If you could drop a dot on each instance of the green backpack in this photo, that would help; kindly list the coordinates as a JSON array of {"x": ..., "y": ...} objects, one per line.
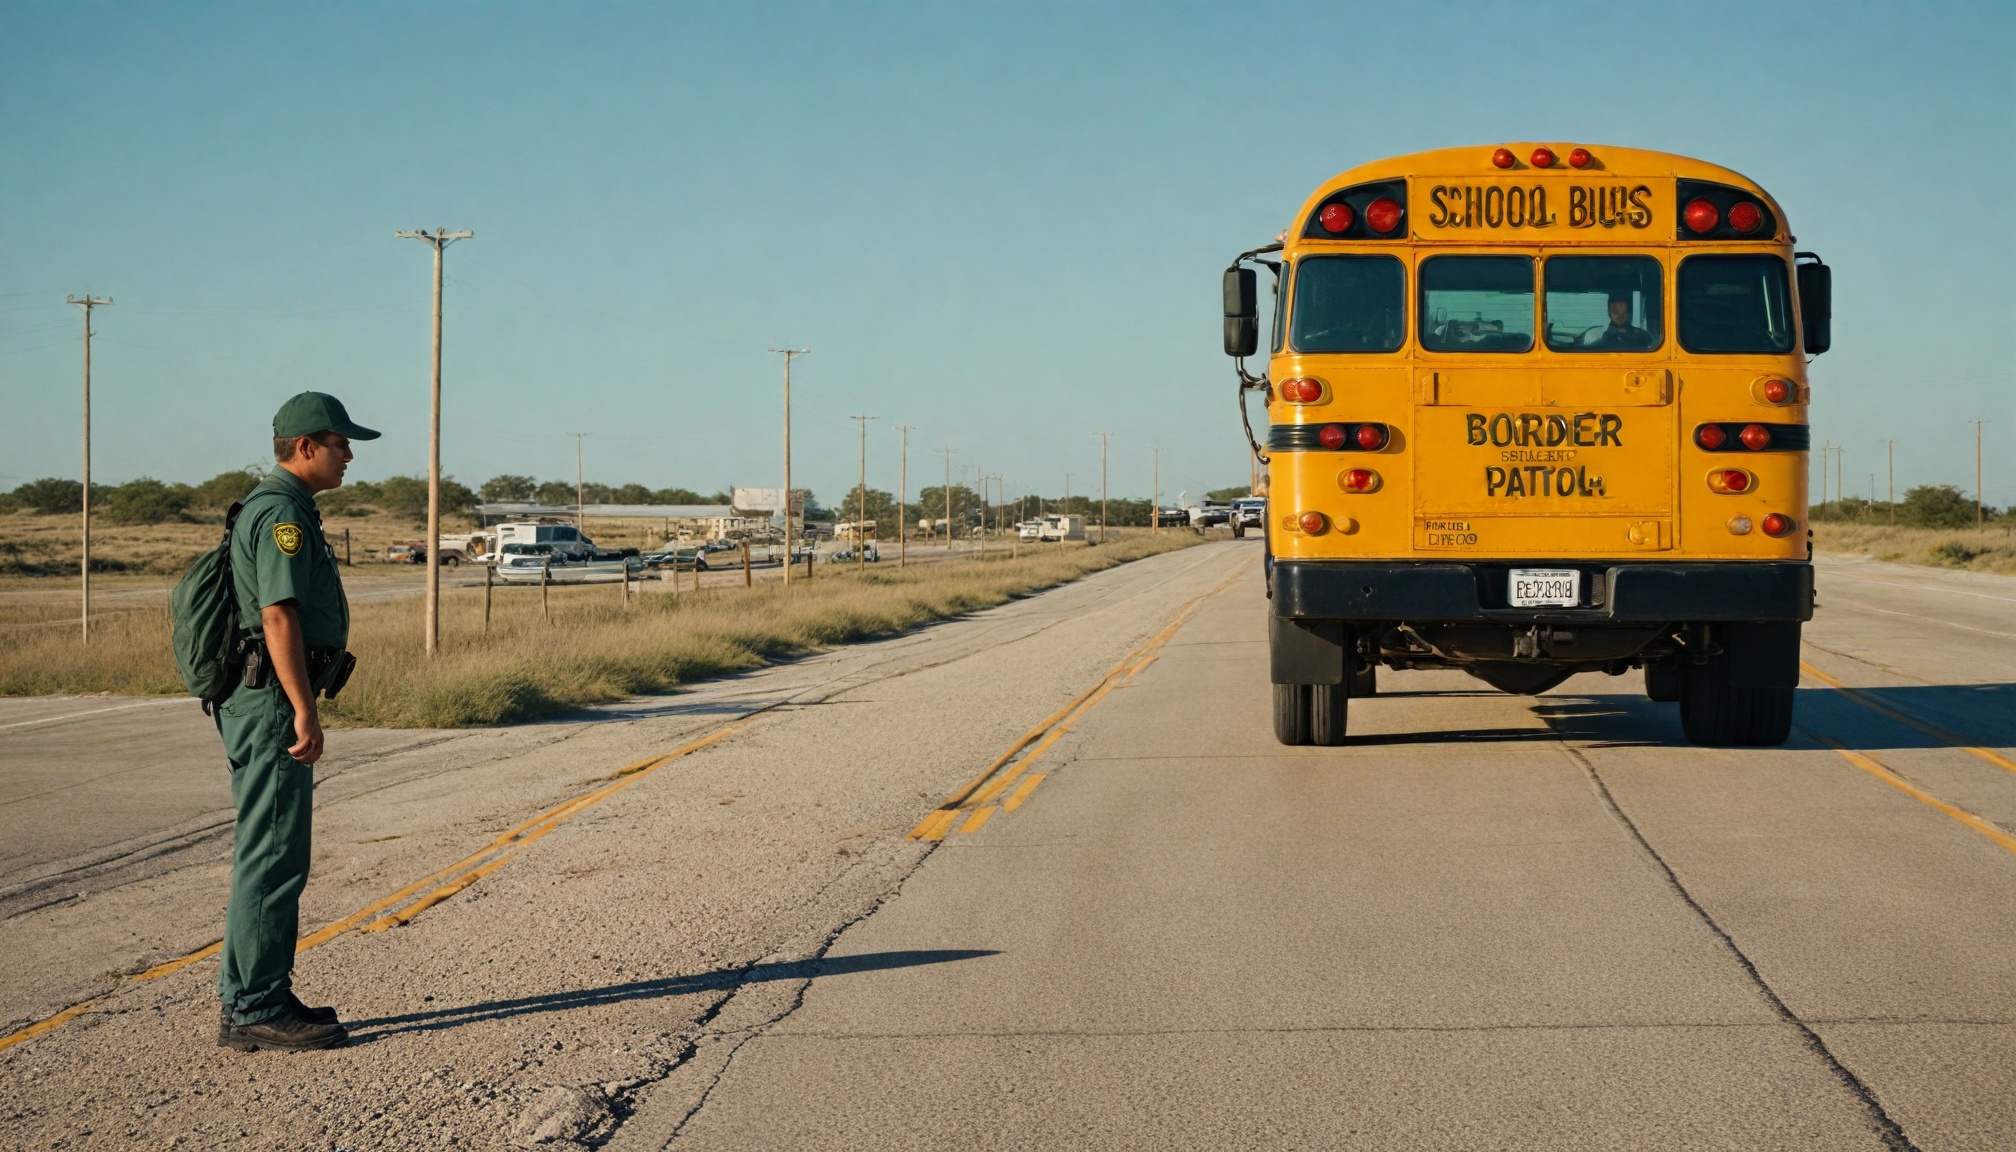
[{"x": 204, "y": 608}]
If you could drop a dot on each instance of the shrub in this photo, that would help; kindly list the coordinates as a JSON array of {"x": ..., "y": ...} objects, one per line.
[
  {"x": 508, "y": 487},
  {"x": 51, "y": 496},
  {"x": 1954, "y": 553},
  {"x": 147, "y": 501},
  {"x": 1936, "y": 506},
  {"x": 226, "y": 488}
]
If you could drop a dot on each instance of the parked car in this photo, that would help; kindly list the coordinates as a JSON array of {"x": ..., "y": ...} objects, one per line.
[
  {"x": 412, "y": 552},
  {"x": 1172, "y": 517},
  {"x": 681, "y": 559},
  {"x": 869, "y": 555}
]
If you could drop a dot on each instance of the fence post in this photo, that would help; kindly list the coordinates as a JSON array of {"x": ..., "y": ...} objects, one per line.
[
  {"x": 346, "y": 548},
  {"x": 489, "y": 570},
  {"x": 546, "y": 583},
  {"x": 748, "y": 581},
  {"x": 625, "y": 597}
]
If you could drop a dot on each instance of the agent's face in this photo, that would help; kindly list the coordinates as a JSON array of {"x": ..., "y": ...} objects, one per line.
[
  {"x": 324, "y": 458},
  {"x": 1620, "y": 313}
]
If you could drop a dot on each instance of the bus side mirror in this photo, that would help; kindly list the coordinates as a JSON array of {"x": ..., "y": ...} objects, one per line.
[
  {"x": 1242, "y": 312},
  {"x": 1816, "y": 306}
]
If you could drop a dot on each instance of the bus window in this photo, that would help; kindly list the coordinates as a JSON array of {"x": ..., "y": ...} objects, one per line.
[
  {"x": 1477, "y": 303},
  {"x": 1350, "y": 304},
  {"x": 1604, "y": 304},
  {"x": 1734, "y": 304},
  {"x": 1280, "y": 307}
]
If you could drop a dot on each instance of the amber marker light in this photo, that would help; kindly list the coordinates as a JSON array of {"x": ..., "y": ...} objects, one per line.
[
  {"x": 1543, "y": 157},
  {"x": 1358, "y": 479},
  {"x": 1731, "y": 481},
  {"x": 1503, "y": 158},
  {"x": 1579, "y": 158},
  {"x": 1313, "y": 523},
  {"x": 1779, "y": 524}
]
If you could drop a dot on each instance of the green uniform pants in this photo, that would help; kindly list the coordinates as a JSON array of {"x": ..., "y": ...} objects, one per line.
[{"x": 274, "y": 794}]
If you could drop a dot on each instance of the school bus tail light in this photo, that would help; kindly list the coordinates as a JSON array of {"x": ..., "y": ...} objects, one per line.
[
  {"x": 1358, "y": 480},
  {"x": 1503, "y": 158},
  {"x": 1302, "y": 390},
  {"x": 1313, "y": 523},
  {"x": 1702, "y": 215},
  {"x": 1778, "y": 524},
  {"x": 1372, "y": 437},
  {"x": 1336, "y": 217},
  {"x": 1731, "y": 481},
  {"x": 1710, "y": 436},
  {"x": 1383, "y": 215},
  {"x": 1772, "y": 390},
  {"x": 1755, "y": 437},
  {"x": 1579, "y": 158},
  {"x": 1746, "y": 217},
  {"x": 1543, "y": 157}
]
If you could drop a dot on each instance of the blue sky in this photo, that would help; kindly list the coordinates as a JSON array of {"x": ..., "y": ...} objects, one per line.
[{"x": 1000, "y": 223}]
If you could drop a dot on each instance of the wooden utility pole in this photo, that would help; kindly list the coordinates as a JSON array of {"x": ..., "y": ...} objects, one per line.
[
  {"x": 902, "y": 494},
  {"x": 87, "y": 304},
  {"x": 1103, "y": 437},
  {"x": 861, "y": 504},
  {"x": 1890, "y": 447},
  {"x": 789, "y": 355},
  {"x": 439, "y": 239},
  {"x": 947, "y": 451},
  {"x": 1980, "y": 521},
  {"x": 580, "y": 501}
]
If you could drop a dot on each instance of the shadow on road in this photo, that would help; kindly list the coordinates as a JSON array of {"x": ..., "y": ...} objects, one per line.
[
  {"x": 364, "y": 1031},
  {"x": 1978, "y": 713}
]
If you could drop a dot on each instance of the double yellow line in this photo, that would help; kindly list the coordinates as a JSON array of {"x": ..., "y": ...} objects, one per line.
[
  {"x": 432, "y": 889},
  {"x": 975, "y": 802},
  {"x": 1883, "y": 772}
]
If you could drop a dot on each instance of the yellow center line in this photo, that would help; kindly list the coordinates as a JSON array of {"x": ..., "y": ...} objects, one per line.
[
  {"x": 1863, "y": 698},
  {"x": 978, "y": 818},
  {"x": 935, "y": 825},
  {"x": 1875, "y": 768},
  {"x": 1015, "y": 799},
  {"x": 523, "y": 834}
]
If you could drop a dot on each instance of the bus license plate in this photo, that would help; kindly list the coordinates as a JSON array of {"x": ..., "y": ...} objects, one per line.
[{"x": 1545, "y": 588}]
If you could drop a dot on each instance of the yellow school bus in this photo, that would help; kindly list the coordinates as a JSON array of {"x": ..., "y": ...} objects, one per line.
[{"x": 1536, "y": 409}]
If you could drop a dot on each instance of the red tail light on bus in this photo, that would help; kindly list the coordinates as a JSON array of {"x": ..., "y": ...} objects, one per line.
[
  {"x": 1314, "y": 523},
  {"x": 1579, "y": 158},
  {"x": 1778, "y": 524},
  {"x": 1731, "y": 481},
  {"x": 1382, "y": 215},
  {"x": 1358, "y": 479},
  {"x": 1302, "y": 390},
  {"x": 1336, "y": 217},
  {"x": 1702, "y": 215},
  {"x": 1543, "y": 157},
  {"x": 1503, "y": 158}
]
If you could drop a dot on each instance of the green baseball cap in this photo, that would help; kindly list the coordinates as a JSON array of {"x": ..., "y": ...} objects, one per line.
[{"x": 311, "y": 412}]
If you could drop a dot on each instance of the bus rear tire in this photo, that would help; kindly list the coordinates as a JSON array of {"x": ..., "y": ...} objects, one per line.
[
  {"x": 1311, "y": 713},
  {"x": 1716, "y": 713}
]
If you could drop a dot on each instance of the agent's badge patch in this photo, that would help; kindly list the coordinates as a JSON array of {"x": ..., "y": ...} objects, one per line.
[{"x": 288, "y": 537}]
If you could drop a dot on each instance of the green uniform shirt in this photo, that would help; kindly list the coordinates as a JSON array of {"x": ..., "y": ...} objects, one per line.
[{"x": 278, "y": 553}]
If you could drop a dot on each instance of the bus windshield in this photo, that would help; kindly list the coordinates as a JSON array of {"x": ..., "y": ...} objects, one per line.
[
  {"x": 1477, "y": 303},
  {"x": 1734, "y": 304}
]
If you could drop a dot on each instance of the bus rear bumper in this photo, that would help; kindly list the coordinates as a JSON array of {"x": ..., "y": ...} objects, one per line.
[{"x": 1651, "y": 593}]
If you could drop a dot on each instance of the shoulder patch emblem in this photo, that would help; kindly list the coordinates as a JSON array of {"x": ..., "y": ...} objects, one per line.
[{"x": 288, "y": 537}]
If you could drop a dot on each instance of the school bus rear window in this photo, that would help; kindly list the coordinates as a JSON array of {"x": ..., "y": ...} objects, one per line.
[
  {"x": 1477, "y": 304},
  {"x": 1350, "y": 304},
  {"x": 1734, "y": 304},
  {"x": 1604, "y": 304}
]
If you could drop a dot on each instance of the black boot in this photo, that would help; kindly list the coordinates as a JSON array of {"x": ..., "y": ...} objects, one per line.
[
  {"x": 317, "y": 1015},
  {"x": 287, "y": 1032}
]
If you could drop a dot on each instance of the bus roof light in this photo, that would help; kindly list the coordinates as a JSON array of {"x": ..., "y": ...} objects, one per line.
[
  {"x": 1503, "y": 158},
  {"x": 1579, "y": 158},
  {"x": 1371, "y": 437},
  {"x": 1702, "y": 215},
  {"x": 1382, "y": 215},
  {"x": 1756, "y": 437},
  {"x": 1746, "y": 217},
  {"x": 1543, "y": 157},
  {"x": 1779, "y": 524},
  {"x": 1336, "y": 217},
  {"x": 1709, "y": 436}
]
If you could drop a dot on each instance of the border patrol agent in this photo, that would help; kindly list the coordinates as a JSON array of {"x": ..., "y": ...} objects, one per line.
[{"x": 291, "y": 606}]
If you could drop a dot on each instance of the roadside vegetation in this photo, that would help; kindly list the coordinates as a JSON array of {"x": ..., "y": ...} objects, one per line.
[
  {"x": 1934, "y": 524},
  {"x": 597, "y": 647}
]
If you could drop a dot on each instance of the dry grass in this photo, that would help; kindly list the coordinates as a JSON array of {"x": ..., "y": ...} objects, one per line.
[
  {"x": 1987, "y": 550},
  {"x": 35, "y": 545},
  {"x": 595, "y": 649}
]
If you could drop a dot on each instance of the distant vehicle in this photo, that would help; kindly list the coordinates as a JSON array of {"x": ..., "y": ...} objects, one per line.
[
  {"x": 464, "y": 547},
  {"x": 531, "y": 563},
  {"x": 1210, "y": 514},
  {"x": 848, "y": 530},
  {"x": 1249, "y": 511},
  {"x": 1059, "y": 527},
  {"x": 563, "y": 539},
  {"x": 1172, "y": 517},
  {"x": 871, "y": 555},
  {"x": 406, "y": 552},
  {"x": 1029, "y": 531},
  {"x": 682, "y": 559}
]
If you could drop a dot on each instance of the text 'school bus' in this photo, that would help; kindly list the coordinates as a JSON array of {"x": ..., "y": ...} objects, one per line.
[{"x": 1537, "y": 410}]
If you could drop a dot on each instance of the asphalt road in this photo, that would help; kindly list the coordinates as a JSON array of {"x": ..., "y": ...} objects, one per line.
[{"x": 1488, "y": 922}]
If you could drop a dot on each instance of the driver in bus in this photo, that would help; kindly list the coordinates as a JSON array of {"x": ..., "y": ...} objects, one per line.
[{"x": 1622, "y": 334}]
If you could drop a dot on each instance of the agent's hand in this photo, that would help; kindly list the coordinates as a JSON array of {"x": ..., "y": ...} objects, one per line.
[{"x": 307, "y": 737}]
